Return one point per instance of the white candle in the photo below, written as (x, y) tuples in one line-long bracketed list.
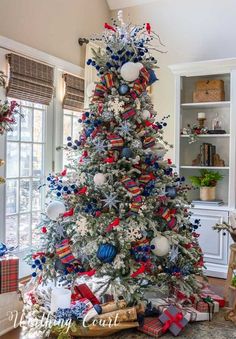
[(201, 115), (60, 298)]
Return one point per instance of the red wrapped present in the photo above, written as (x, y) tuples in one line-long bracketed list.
[(9, 272), (206, 292), (207, 305), (85, 292), (173, 320), (151, 326)]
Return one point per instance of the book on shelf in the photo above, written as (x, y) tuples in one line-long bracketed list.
[(216, 202), (207, 153)]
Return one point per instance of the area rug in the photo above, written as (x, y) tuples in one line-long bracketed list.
[(218, 328)]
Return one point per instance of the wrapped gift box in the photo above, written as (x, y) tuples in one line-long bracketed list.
[(206, 292), (9, 273), (173, 320), (151, 326), (86, 292), (190, 313)]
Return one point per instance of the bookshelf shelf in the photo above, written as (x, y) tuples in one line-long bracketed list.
[(208, 136), (216, 104), (206, 167)]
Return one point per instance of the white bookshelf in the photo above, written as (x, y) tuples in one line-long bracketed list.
[(186, 111)]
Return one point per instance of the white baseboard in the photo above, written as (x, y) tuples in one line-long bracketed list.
[(218, 271)]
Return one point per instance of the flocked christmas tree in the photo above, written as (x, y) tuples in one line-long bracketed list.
[(118, 213)]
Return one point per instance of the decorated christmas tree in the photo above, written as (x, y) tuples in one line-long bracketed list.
[(117, 215)]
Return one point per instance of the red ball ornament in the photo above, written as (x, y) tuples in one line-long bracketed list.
[(44, 229), (169, 161)]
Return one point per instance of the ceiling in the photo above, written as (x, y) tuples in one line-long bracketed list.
[(119, 4)]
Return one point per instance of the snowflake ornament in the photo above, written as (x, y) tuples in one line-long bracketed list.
[(82, 226), (107, 116), (116, 106), (125, 129), (133, 234), (100, 146), (110, 200), (118, 262), (136, 144)]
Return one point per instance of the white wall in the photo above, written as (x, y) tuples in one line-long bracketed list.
[(53, 26), (192, 30)]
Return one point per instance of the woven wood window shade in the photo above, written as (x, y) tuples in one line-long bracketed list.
[(29, 80), (74, 93)]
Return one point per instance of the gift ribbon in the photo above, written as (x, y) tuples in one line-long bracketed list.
[(132, 187), (107, 82), (140, 84), (172, 320)]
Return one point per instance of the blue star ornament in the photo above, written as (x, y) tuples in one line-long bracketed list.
[(110, 200)]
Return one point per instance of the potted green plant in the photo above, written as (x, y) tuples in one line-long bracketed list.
[(207, 183)]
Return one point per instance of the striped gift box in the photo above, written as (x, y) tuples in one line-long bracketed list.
[(152, 327), (9, 273)]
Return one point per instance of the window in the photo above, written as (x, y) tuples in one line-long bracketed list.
[(71, 127), (25, 173)]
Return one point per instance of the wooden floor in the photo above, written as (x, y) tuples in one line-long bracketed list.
[(217, 286)]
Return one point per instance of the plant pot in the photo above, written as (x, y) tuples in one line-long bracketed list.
[(207, 193)]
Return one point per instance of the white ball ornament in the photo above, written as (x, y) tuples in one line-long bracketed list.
[(129, 71), (90, 89), (146, 114), (139, 65), (99, 179), (160, 246), (54, 209)]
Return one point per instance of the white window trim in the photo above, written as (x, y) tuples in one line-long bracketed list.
[(54, 116)]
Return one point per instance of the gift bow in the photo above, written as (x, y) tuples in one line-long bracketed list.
[(102, 87), (172, 320)]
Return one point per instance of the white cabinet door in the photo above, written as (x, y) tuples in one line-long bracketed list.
[(214, 245)]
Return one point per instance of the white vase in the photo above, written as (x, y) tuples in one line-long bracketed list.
[(60, 298)]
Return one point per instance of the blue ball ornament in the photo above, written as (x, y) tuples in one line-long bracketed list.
[(152, 77), (126, 153), (106, 253), (123, 89)]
